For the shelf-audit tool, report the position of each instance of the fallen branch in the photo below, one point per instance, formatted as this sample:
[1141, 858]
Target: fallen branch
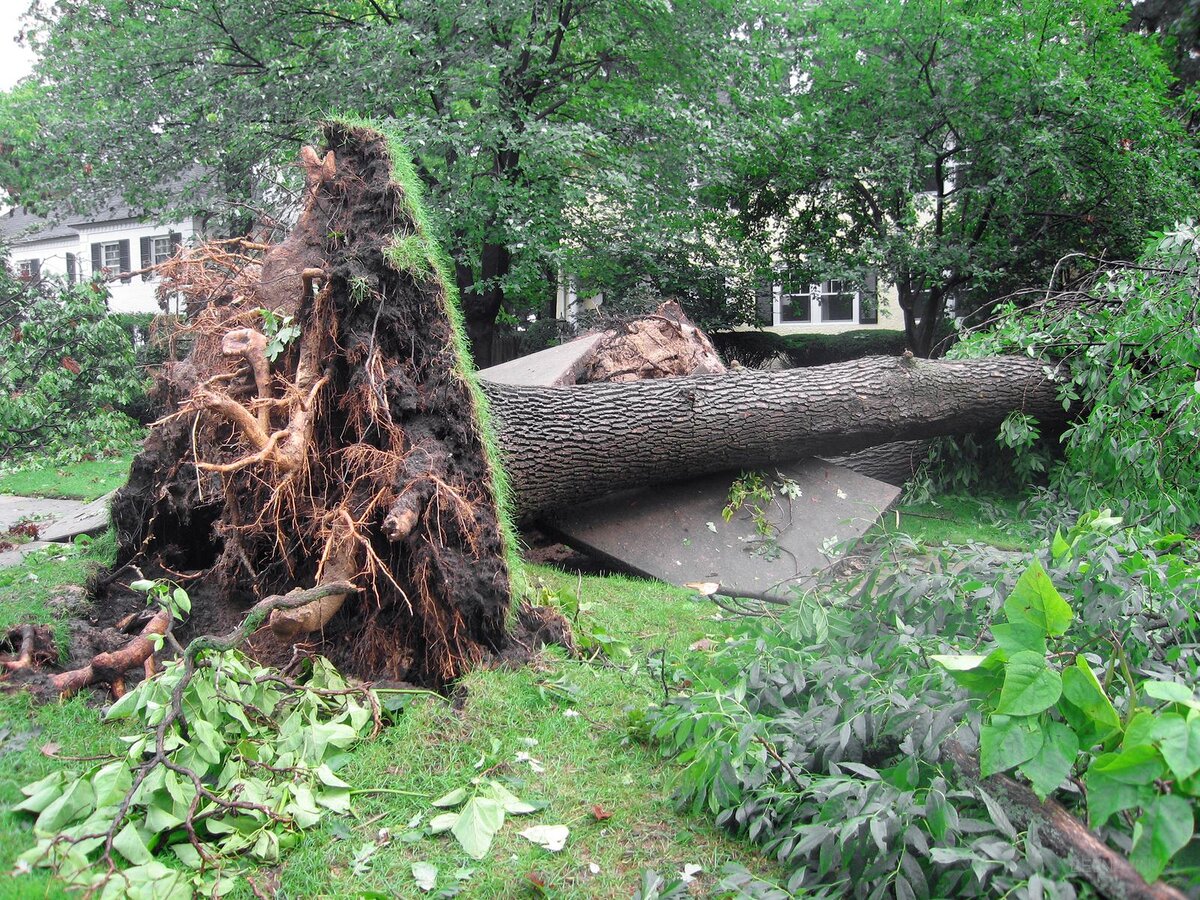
[1101, 866]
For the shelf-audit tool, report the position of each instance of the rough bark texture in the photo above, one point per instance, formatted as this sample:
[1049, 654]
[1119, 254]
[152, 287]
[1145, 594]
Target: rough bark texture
[895, 462]
[565, 444]
[355, 456]
[1105, 869]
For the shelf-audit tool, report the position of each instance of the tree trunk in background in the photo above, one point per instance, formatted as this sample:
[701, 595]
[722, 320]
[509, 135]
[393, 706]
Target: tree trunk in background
[566, 444]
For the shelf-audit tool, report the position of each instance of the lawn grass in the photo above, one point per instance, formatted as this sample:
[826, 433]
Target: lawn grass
[590, 760]
[88, 480]
[993, 519]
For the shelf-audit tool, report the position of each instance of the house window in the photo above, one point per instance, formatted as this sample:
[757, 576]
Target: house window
[110, 256]
[801, 300]
[29, 269]
[837, 300]
[157, 249]
[795, 299]
[160, 249]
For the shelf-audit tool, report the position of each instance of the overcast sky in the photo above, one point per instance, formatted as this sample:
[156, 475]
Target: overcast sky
[15, 62]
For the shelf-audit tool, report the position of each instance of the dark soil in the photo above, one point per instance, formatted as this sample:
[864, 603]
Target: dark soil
[393, 428]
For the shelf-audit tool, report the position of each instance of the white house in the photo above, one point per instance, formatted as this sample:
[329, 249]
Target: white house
[111, 241]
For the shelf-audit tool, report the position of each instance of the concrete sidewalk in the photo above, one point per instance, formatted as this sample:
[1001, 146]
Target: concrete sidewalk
[57, 520]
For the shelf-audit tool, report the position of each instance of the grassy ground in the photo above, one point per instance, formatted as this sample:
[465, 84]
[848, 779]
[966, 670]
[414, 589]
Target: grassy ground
[81, 481]
[588, 760]
[962, 518]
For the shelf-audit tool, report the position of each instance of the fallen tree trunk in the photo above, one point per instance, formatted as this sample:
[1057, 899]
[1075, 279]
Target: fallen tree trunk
[325, 432]
[561, 445]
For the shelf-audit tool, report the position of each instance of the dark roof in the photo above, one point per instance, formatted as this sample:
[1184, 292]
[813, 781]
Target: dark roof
[19, 226]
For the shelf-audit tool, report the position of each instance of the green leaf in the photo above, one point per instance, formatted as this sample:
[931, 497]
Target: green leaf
[959, 663]
[1051, 765]
[1165, 828]
[78, 799]
[188, 855]
[477, 824]
[444, 822]
[982, 675]
[1172, 692]
[425, 875]
[1106, 796]
[1179, 742]
[1083, 689]
[1059, 547]
[1013, 637]
[455, 797]
[1036, 600]
[1140, 764]
[1030, 686]
[183, 603]
[1006, 742]
[130, 845]
[510, 802]
[42, 792]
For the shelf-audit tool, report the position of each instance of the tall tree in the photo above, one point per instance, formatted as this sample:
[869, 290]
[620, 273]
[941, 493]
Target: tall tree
[518, 109]
[961, 147]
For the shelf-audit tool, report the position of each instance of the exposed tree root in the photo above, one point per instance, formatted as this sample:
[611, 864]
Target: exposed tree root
[355, 455]
[111, 668]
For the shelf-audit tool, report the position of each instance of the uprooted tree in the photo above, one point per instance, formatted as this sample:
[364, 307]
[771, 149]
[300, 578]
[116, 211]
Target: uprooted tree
[327, 457]
[356, 452]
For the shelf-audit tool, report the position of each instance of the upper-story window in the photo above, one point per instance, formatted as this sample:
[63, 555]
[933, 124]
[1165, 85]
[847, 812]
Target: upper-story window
[29, 269]
[111, 257]
[160, 249]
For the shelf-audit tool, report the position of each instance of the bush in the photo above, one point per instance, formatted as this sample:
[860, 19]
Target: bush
[68, 372]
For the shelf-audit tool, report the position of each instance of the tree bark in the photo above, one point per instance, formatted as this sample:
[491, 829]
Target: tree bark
[566, 444]
[1105, 869]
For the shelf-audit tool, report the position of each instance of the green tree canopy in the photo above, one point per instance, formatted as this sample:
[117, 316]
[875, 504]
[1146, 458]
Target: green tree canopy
[963, 147]
[518, 111]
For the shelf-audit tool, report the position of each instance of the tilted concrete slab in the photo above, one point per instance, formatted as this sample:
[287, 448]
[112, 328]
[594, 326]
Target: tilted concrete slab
[91, 518]
[546, 368]
[41, 510]
[675, 532]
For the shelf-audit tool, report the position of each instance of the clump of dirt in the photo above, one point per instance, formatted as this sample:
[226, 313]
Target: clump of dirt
[350, 449]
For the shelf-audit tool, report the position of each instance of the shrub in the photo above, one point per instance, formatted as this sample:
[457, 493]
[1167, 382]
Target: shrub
[68, 372]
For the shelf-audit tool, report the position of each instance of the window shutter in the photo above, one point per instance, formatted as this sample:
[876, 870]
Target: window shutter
[147, 257]
[72, 272]
[97, 262]
[176, 240]
[125, 266]
[35, 269]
